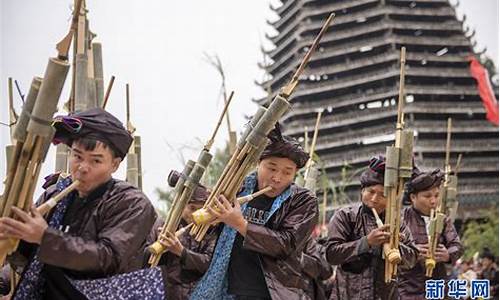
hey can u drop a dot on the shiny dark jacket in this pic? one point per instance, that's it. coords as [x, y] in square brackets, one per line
[107, 237]
[180, 274]
[281, 241]
[360, 274]
[316, 268]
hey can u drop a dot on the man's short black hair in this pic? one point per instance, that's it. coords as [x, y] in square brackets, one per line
[90, 144]
[488, 254]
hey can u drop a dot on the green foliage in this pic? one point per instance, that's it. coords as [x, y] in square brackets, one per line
[216, 166]
[489, 64]
[338, 188]
[481, 233]
[326, 185]
[165, 199]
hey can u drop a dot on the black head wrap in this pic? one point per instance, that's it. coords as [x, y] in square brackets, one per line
[421, 181]
[284, 146]
[200, 193]
[96, 124]
[375, 173]
[487, 254]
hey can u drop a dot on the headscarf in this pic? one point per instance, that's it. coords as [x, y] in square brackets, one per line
[375, 173]
[422, 181]
[94, 123]
[284, 146]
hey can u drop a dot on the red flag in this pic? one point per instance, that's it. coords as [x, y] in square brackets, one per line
[485, 90]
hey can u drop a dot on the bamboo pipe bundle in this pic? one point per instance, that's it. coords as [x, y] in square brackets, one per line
[184, 190]
[240, 145]
[438, 215]
[43, 210]
[30, 154]
[250, 147]
[171, 224]
[398, 168]
[244, 158]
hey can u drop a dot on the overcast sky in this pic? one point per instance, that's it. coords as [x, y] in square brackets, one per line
[158, 47]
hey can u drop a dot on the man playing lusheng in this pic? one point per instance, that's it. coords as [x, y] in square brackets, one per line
[355, 243]
[258, 251]
[96, 231]
[187, 259]
[423, 191]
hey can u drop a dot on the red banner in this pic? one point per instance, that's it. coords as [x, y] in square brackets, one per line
[485, 90]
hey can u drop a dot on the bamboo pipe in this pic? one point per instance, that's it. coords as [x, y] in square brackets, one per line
[52, 202]
[203, 216]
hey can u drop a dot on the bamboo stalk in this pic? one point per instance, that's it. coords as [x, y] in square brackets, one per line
[108, 92]
[290, 87]
[227, 101]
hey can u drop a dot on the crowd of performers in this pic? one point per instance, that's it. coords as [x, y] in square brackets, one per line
[92, 245]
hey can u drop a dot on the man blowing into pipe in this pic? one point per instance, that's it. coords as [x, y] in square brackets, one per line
[186, 259]
[98, 230]
[258, 251]
[355, 242]
[423, 192]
